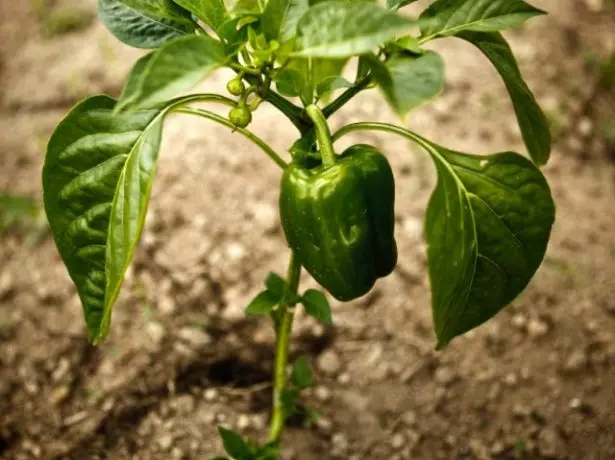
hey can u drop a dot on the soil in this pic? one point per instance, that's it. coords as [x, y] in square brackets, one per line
[534, 383]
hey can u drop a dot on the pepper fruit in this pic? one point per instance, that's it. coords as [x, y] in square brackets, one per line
[340, 219]
[235, 86]
[240, 116]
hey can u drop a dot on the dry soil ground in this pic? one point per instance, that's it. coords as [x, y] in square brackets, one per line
[537, 382]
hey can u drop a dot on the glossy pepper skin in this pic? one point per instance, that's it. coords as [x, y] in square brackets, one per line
[340, 220]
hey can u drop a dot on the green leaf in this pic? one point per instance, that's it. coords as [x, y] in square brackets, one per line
[449, 17]
[262, 304]
[317, 306]
[97, 180]
[487, 228]
[211, 12]
[290, 396]
[276, 285]
[234, 445]
[145, 23]
[280, 18]
[409, 81]
[290, 82]
[176, 67]
[331, 84]
[301, 375]
[408, 43]
[532, 121]
[131, 88]
[340, 29]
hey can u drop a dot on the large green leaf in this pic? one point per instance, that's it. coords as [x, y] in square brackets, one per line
[409, 81]
[97, 179]
[145, 23]
[340, 29]
[487, 228]
[449, 17]
[211, 12]
[533, 123]
[131, 87]
[281, 16]
[176, 67]
[301, 77]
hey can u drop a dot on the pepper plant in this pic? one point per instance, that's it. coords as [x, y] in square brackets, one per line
[488, 221]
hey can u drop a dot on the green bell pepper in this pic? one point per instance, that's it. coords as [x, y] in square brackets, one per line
[340, 219]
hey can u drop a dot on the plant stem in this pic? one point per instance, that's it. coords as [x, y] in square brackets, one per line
[345, 97]
[292, 112]
[323, 135]
[283, 327]
[249, 135]
[386, 127]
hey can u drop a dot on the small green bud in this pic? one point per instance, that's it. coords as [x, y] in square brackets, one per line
[255, 103]
[235, 87]
[240, 116]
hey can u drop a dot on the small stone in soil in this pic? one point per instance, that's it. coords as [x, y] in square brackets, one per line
[243, 422]
[537, 328]
[329, 363]
[211, 394]
[575, 363]
[398, 441]
[194, 336]
[445, 375]
[322, 393]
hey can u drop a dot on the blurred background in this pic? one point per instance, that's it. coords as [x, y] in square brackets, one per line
[537, 382]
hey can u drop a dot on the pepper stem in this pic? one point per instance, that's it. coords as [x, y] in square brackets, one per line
[283, 327]
[322, 134]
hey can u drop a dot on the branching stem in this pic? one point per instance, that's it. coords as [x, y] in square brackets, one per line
[283, 327]
[248, 134]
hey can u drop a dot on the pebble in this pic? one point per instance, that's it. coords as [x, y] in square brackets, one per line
[575, 403]
[211, 394]
[398, 440]
[409, 418]
[259, 422]
[236, 251]
[166, 305]
[165, 441]
[511, 379]
[195, 337]
[537, 328]
[575, 363]
[243, 422]
[344, 378]
[266, 215]
[340, 441]
[586, 127]
[479, 449]
[595, 6]
[445, 375]
[155, 331]
[61, 370]
[519, 321]
[322, 393]
[324, 424]
[6, 284]
[549, 443]
[329, 362]
[58, 395]
[185, 404]
[412, 437]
